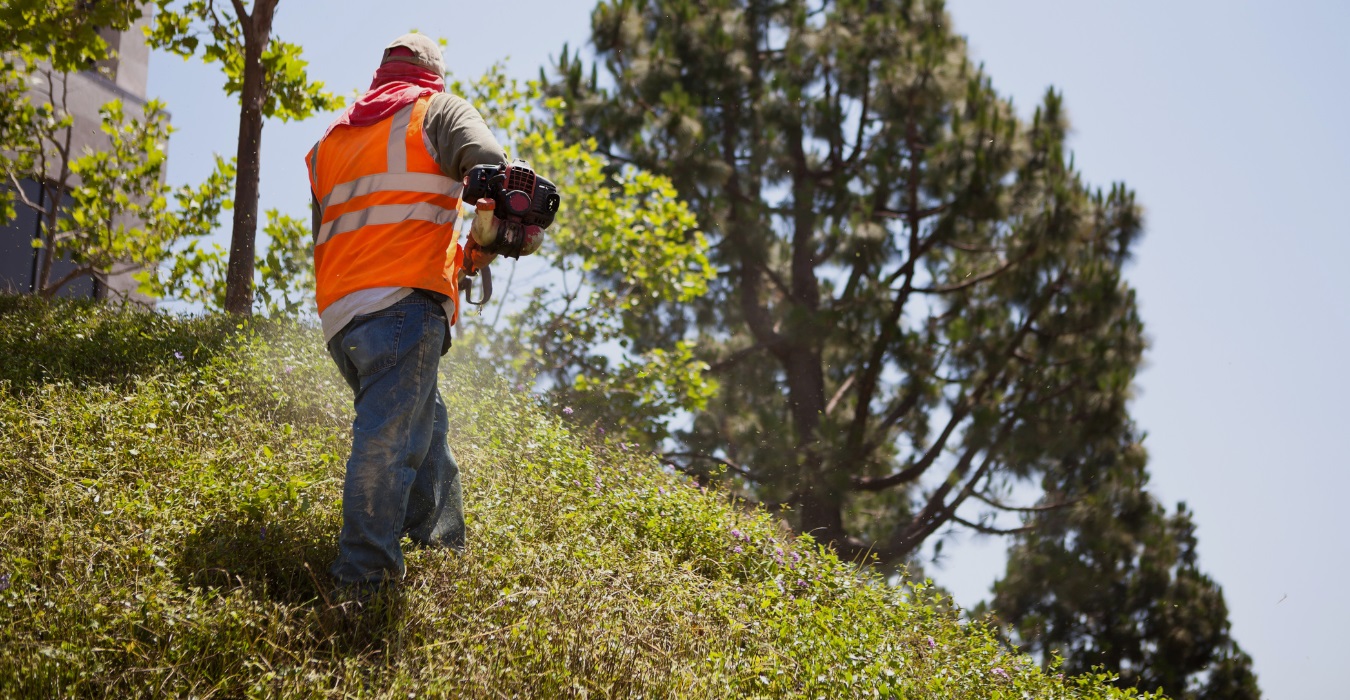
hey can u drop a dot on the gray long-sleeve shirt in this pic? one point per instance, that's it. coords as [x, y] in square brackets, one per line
[457, 139]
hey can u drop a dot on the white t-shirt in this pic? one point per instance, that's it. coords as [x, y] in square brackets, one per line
[368, 301]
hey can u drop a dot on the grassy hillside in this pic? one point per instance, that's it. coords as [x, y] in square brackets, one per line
[170, 503]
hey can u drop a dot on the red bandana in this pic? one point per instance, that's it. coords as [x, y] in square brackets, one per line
[396, 84]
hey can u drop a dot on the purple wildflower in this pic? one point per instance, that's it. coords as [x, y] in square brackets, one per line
[601, 429]
[177, 355]
[801, 583]
[288, 369]
[737, 549]
[998, 671]
[795, 557]
[736, 534]
[932, 643]
[567, 410]
[4, 582]
[262, 532]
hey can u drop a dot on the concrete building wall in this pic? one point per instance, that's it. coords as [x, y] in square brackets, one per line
[122, 77]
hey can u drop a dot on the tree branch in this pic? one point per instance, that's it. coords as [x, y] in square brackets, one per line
[777, 280]
[935, 512]
[917, 214]
[1024, 509]
[614, 156]
[972, 248]
[968, 282]
[985, 529]
[241, 11]
[839, 394]
[756, 313]
[857, 430]
[735, 358]
[893, 416]
[916, 469]
[739, 469]
[23, 196]
[50, 290]
[963, 406]
[862, 117]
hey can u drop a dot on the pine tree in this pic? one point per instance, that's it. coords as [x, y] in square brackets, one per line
[1114, 580]
[920, 305]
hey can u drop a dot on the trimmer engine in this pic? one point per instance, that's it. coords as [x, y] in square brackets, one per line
[523, 200]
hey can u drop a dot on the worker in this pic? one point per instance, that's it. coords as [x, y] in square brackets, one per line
[386, 179]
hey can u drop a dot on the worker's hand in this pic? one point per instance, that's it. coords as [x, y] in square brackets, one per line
[475, 258]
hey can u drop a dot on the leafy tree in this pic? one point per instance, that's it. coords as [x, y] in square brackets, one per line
[195, 273]
[103, 204]
[269, 77]
[622, 245]
[1114, 580]
[64, 33]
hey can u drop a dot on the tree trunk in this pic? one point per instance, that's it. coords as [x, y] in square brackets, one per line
[45, 254]
[820, 498]
[257, 30]
[53, 196]
[821, 492]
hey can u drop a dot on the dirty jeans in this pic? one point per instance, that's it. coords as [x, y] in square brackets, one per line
[401, 478]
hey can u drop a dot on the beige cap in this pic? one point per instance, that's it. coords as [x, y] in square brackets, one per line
[425, 52]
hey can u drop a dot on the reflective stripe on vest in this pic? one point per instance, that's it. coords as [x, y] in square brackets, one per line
[386, 214]
[400, 182]
[396, 179]
[358, 243]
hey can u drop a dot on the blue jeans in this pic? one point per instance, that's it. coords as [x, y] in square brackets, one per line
[401, 477]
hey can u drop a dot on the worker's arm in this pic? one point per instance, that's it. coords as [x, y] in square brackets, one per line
[458, 137]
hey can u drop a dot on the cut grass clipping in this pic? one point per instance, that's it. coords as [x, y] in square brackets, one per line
[171, 501]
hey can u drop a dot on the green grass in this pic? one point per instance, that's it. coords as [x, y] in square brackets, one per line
[170, 504]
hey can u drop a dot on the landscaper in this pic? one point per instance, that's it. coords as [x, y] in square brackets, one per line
[387, 179]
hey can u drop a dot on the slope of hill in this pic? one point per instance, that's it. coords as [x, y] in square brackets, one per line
[170, 504]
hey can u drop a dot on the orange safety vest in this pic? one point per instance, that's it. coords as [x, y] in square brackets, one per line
[387, 211]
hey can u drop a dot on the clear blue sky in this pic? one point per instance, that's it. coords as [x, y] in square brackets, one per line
[1228, 118]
